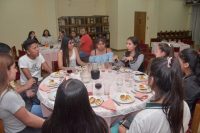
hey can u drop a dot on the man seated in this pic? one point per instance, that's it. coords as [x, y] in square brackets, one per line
[30, 67]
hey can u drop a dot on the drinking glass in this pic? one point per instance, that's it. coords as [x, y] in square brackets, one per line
[98, 88]
[119, 83]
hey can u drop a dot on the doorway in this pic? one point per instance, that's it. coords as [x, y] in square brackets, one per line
[140, 26]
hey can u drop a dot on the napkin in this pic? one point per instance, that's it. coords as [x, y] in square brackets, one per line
[109, 104]
[141, 96]
[44, 88]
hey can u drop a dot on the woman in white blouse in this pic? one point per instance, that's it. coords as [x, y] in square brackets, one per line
[46, 37]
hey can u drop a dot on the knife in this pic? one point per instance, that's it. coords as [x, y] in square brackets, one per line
[116, 102]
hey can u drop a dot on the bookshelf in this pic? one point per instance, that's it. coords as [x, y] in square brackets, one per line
[96, 26]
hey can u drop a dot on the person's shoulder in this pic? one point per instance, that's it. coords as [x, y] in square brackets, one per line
[109, 50]
[92, 52]
[24, 57]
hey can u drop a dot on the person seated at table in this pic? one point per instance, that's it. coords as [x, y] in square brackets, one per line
[164, 50]
[32, 62]
[190, 65]
[22, 89]
[46, 38]
[72, 112]
[61, 35]
[75, 38]
[132, 58]
[68, 55]
[12, 107]
[31, 35]
[101, 54]
[167, 112]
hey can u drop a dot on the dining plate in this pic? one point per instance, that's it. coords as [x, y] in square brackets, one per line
[124, 98]
[140, 77]
[52, 96]
[52, 83]
[95, 101]
[57, 74]
[142, 88]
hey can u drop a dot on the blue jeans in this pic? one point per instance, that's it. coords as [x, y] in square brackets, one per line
[83, 54]
[36, 110]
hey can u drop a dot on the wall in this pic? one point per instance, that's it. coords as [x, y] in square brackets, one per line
[80, 7]
[18, 17]
[174, 15]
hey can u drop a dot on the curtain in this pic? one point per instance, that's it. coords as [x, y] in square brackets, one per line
[196, 24]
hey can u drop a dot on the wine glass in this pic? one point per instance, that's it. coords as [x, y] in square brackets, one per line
[119, 83]
[98, 88]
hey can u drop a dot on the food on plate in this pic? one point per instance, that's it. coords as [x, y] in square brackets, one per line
[51, 82]
[98, 101]
[57, 73]
[142, 87]
[124, 97]
[142, 77]
[92, 100]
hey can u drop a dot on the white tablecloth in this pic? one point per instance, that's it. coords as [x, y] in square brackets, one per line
[50, 54]
[109, 82]
[179, 44]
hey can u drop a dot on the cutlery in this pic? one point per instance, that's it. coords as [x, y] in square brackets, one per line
[139, 74]
[116, 102]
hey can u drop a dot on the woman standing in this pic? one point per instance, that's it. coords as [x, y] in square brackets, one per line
[12, 107]
[68, 55]
[72, 111]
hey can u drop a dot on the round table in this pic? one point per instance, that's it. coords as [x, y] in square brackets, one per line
[108, 79]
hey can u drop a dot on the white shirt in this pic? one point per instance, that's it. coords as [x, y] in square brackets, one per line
[10, 103]
[46, 40]
[155, 121]
[72, 59]
[34, 67]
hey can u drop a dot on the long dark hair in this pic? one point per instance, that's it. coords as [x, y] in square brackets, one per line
[45, 31]
[72, 111]
[100, 39]
[65, 51]
[168, 86]
[167, 48]
[135, 42]
[6, 61]
[193, 59]
[29, 36]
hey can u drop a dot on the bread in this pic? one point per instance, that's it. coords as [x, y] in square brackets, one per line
[98, 101]
[125, 97]
[142, 87]
[92, 100]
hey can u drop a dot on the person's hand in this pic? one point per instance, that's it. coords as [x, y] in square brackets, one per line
[29, 83]
[115, 58]
[30, 93]
[130, 58]
[121, 129]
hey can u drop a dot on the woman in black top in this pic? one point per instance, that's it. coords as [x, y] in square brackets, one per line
[190, 65]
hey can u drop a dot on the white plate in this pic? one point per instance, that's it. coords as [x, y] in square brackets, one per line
[140, 78]
[52, 96]
[52, 83]
[124, 98]
[95, 101]
[57, 75]
[122, 69]
[142, 88]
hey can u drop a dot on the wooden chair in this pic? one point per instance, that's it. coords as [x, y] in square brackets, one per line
[55, 66]
[21, 52]
[14, 53]
[196, 118]
[1, 127]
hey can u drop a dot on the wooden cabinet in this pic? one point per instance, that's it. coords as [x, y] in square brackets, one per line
[96, 26]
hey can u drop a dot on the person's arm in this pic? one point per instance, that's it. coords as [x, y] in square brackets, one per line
[28, 118]
[135, 66]
[60, 60]
[26, 73]
[21, 88]
[79, 61]
[46, 67]
[92, 56]
[110, 56]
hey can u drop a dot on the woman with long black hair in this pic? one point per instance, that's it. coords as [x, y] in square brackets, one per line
[72, 111]
[190, 65]
[168, 112]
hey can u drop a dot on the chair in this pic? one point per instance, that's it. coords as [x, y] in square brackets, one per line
[14, 53]
[1, 127]
[55, 66]
[21, 52]
[196, 118]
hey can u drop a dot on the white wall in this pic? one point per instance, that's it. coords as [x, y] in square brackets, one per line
[80, 7]
[18, 17]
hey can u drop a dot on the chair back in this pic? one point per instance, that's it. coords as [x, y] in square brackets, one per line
[196, 118]
[1, 127]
